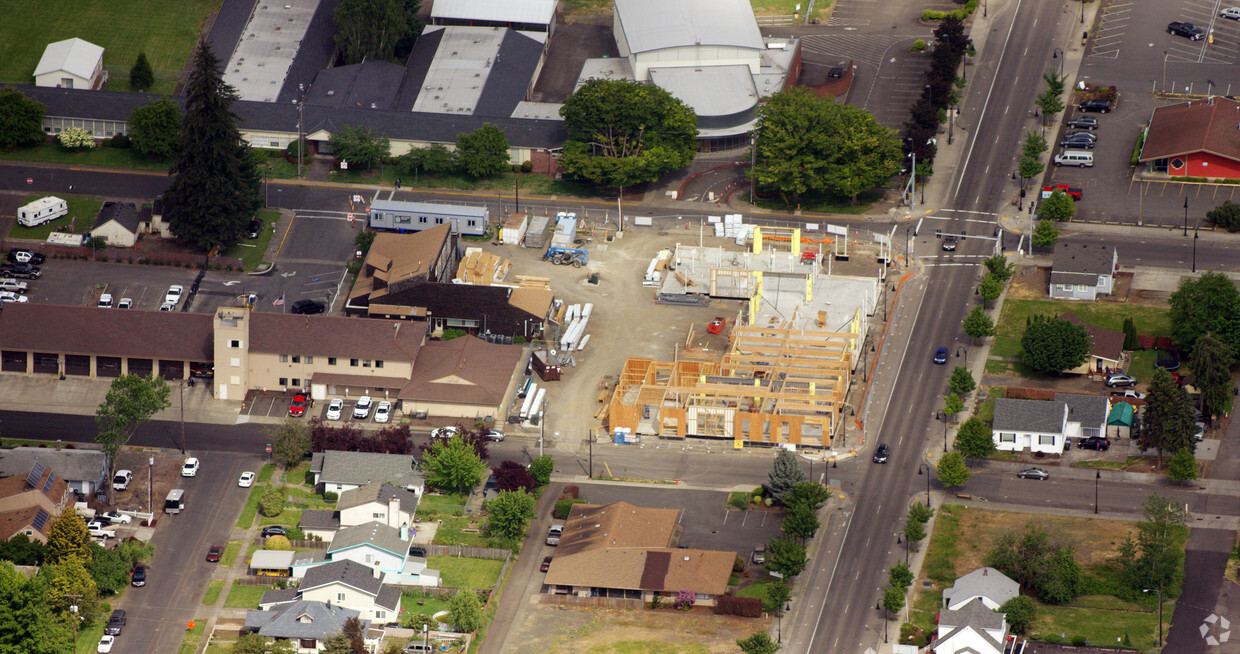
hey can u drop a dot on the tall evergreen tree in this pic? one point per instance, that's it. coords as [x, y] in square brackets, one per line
[141, 76]
[785, 473]
[1168, 422]
[1211, 364]
[216, 188]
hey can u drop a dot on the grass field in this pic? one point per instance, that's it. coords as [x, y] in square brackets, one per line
[189, 644]
[251, 506]
[245, 597]
[166, 32]
[102, 156]
[457, 572]
[422, 603]
[82, 212]
[251, 251]
[436, 504]
[88, 637]
[452, 532]
[1150, 320]
[213, 592]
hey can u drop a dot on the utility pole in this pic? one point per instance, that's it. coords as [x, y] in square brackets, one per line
[301, 142]
[591, 440]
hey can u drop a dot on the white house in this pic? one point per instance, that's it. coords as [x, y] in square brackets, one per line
[71, 64]
[376, 502]
[1042, 425]
[987, 584]
[970, 622]
[1083, 272]
[383, 549]
[118, 223]
[341, 583]
[341, 471]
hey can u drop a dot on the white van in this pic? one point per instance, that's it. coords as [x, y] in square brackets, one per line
[1079, 158]
[41, 211]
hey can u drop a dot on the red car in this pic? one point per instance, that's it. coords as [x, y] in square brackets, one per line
[298, 407]
[545, 564]
[213, 554]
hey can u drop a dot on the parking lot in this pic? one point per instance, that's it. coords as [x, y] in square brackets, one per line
[82, 282]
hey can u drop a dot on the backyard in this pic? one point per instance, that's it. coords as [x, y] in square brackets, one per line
[1150, 320]
[121, 29]
[963, 535]
[82, 212]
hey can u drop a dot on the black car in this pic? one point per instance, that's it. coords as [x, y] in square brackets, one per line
[274, 530]
[115, 623]
[417, 551]
[139, 576]
[1094, 443]
[1083, 122]
[1186, 30]
[882, 453]
[949, 244]
[1078, 143]
[309, 306]
[1079, 134]
[1098, 106]
[254, 228]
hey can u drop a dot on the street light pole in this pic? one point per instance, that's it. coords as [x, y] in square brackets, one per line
[1160, 610]
[1082, 12]
[943, 412]
[1195, 237]
[1097, 478]
[1058, 54]
[150, 463]
[301, 142]
[1186, 216]
[927, 467]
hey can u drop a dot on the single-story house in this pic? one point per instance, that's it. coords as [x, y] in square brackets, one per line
[118, 223]
[627, 551]
[341, 583]
[988, 584]
[1194, 139]
[1042, 425]
[339, 471]
[306, 624]
[71, 64]
[40, 487]
[1082, 271]
[1106, 349]
[85, 471]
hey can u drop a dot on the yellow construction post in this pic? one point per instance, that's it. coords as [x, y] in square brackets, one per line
[796, 243]
[757, 240]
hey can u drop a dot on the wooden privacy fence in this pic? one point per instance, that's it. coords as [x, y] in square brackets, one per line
[125, 255]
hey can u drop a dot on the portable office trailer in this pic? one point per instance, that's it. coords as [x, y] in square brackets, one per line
[416, 216]
[42, 210]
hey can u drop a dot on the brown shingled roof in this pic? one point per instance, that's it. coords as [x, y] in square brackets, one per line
[16, 520]
[1103, 342]
[1211, 125]
[364, 338]
[465, 370]
[110, 332]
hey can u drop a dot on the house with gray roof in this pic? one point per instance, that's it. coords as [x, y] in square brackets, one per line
[972, 629]
[380, 548]
[118, 223]
[1083, 271]
[85, 471]
[1043, 425]
[306, 623]
[379, 501]
[341, 583]
[341, 471]
[71, 64]
[988, 584]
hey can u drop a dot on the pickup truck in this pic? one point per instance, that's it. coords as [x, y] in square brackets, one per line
[1073, 192]
[98, 530]
[20, 270]
[14, 286]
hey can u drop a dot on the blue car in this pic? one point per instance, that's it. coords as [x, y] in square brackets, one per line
[940, 355]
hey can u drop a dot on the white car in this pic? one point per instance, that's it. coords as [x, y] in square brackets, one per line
[445, 432]
[246, 480]
[99, 530]
[10, 296]
[105, 644]
[167, 306]
[125, 303]
[1230, 12]
[173, 296]
[120, 481]
[383, 412]
[361, 410]
[190, 469]
[334, 408]
[117, 517]
[105, 301]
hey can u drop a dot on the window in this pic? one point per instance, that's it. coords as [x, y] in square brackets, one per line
[283, 381]
[283, 358]
[307, 643]
[309, 359]
[353, 362]
[1082, 288]
[379, 615]
[1007, 438]
[66, 82]
[365, 363]
[296, 358]
[471, 223]
[339, 597]
[378, 363]
[1046, 439]
[235, 362]
[331, 361]
[296, 382]
[234, 343]
[379, 516]
[422, 219]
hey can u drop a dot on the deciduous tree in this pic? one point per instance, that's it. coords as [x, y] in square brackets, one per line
[1036, 561]
[622, 133]
[359, 146]
[22, 550]
[1020, 612]
[990, 289]
[952, 404]
[155, 128]
[961, 382]
[800, 522]
[1155, 557]
[511, 475]
[920, 512]
[1183, 466]
[893, 600]
[290, 442]
[952, 472]
[914, 530]
[999, 266]
[27, 624]
[809, 493]
[1059, 207]
[369, 29]
[465, 611]
[1209, 304]
[759, 643]
[974, 439]
[68, 539]
[899, 575]
[141, 75]
[785, 473]
[482, 152]
[131, 401]
[978, 324]
[452, 464]
[1226, 216]
[216, 186]
[541, 467]
[21, 119]
[1053, 345]
[1045, 234]
[785, 555]
[69, 584]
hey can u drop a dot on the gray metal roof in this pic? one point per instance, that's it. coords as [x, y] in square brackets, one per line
[362, 468]
[481, 71]
[349, 573]
[1083, 258]
[74, 56]
[1088, 410]
[71, 465]
[269, 42]
[377, 492]
[657, 24]
[371, 533]
[513, 11]
[278, 596]
[301, 619]
[271, 559]
[710, 90]
[1029, 415]
[983, 582]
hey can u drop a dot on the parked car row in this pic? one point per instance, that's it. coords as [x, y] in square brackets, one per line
[21, 265]
[1078, 142]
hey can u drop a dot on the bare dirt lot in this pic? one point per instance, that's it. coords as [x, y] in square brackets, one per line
[561, 630]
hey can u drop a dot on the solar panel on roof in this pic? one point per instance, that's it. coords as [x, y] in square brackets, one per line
[40, 519]
[36, 472]
[47, 485]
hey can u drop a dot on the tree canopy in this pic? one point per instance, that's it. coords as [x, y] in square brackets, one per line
[465, 610]
[961, 381]
[978, 324]
[452, 464]
[21, 119]
[482, 152]
[1059, 207]
[216, 186]
[155, 129]
[359, 146]
[1156, 556]
[952, 471]
[27, 623]
[1052, 346]
[67, 538]
[131, 400]
[974, 439]
[509, 513]
[1210, 362]
[1208, 304]
[1167, 424]
[808, 145]
[785, 473]
[290, 442]
[1035, 560]
[1226, 216]
[1045, 233]
[622, 133]
[785, 555]
[370, 29]
[541, 467]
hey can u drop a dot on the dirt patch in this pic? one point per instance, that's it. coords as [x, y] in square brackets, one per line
[1029, 283]
[1095, 540]
[565, 630]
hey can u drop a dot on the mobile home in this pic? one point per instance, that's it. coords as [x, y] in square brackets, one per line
[416, 216]
[41, 211]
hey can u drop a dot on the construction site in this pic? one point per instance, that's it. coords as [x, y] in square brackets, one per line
[792, 344]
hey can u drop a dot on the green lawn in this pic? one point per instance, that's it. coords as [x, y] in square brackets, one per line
[456, 572]
[121, 29]
[189, 644]
[88, 637]
[213, 592]
[1150, 321]
[446, 503]
[82, 212]
[251, 251]
[758, 590]
[245, 597]
[104, 157]
[1102, 626]
[452, 532]
[264, 474]
[413, 602]
[251, 506]
[230, 553]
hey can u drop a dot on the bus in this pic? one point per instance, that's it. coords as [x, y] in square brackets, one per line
[175, 502]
